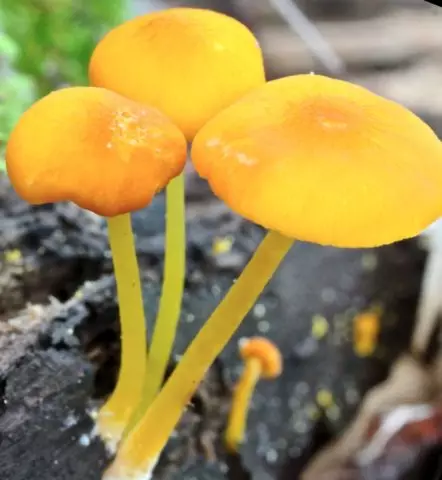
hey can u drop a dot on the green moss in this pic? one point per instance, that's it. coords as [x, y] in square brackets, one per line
[45, 44]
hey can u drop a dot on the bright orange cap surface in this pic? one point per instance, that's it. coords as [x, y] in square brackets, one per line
[95, 148]
[189, 63]
[266, 352]
[324, 161]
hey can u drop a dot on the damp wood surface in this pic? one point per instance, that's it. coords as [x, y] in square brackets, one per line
[59, 356]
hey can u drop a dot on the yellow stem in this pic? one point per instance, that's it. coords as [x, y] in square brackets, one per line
[240, 404]
[138, 452]
[172, 293]
[113, 416]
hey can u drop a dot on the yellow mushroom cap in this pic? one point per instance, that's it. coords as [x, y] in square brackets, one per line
[188, 62]
[262, 349]
[324, 161]
[96, 148]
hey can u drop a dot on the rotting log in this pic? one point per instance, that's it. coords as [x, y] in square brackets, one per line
[59, 360]
[45, 250]
[55, 361]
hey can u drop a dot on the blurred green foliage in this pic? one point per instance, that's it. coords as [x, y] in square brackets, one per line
[17, 91]
[45, 44]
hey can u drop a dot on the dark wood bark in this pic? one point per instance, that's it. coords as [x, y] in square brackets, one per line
[59, 360]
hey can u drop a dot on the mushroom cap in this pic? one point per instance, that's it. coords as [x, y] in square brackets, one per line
[188, 62]
[324, 161]
[266, 352]
[93, 147]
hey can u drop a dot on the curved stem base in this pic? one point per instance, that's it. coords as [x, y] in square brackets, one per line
[114, 415]
[236, 425]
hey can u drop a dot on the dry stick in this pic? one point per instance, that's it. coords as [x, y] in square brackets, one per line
[430, 304]
[407, 384]
[310, 35]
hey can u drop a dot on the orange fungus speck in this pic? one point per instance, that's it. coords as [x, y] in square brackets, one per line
[190, 63]
[95, 148]
[366, 331]
[266, 352]
[324, 161]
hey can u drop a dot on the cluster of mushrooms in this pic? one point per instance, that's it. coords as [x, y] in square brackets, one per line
[307, 157]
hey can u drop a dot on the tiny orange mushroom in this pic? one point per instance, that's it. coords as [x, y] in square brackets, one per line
[366, 329]
[262, 359]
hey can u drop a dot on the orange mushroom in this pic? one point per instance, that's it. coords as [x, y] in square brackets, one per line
[324, 161]
[307, 157]
[262, 359]
[95, 148]
[109, 155]
[190, 63]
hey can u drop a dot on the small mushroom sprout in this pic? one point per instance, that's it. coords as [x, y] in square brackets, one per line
[366, 329]
[262, 359]
[109, 155]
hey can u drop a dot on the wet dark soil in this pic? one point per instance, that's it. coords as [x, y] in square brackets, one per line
[59, 360]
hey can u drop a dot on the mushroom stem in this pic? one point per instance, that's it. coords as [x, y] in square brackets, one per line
[241, 399]
[115, 413]
[171, 296]
[140, 449]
